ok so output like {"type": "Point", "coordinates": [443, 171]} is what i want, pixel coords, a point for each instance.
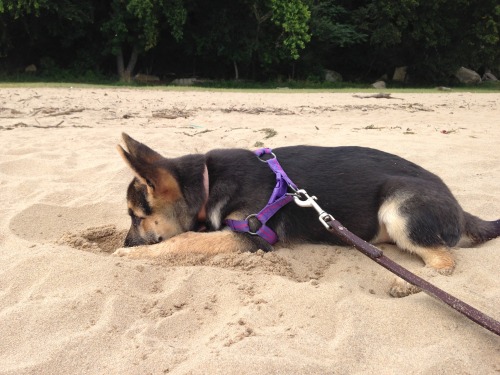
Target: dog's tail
{"type": "Point", "coordinates": [479, 230]}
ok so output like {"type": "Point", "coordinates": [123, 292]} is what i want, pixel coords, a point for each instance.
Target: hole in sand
{"type": "Point", "coordinates": [106, 239]}
{"type": "Point", "coordinates": [96, 239]}
{"type": "Point", "coordinates": [44, 222]}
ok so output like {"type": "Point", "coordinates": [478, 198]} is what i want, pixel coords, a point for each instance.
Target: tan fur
{"type": "Point", "coordinates": [210, 243]}
{"type": "Point", "coordinates": [401, 288]}
{"type": "Point", "coordinates": [166, 187]}
{"type": "Point", "coordinates": [382, 236]}
{"type": "Point", "coordinates": [393, 228]}
{"type": "Point", "coordinates": [439, 259]}
{"type": "Point", "coordinates": [157, 226]}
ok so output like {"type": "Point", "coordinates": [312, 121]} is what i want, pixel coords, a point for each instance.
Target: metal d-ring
{"type": "Point", "coordinates": [248, 218]}
{"type": "Point", "coordinates": [266, 160]}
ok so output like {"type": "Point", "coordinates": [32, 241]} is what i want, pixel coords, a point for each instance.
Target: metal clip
{"type": "Point", "coordinates": [261, 157]}
{"type": "Point", "coordinates": [302, 199]}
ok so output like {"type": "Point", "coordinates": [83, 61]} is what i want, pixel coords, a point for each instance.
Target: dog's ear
{"type": "Point", "coordinates": [139, 151]}
{"type": "Point", "coordinates": [148, 168]}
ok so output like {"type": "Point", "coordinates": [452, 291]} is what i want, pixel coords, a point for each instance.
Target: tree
{"type": "Point", "coordinates": [21, 7]}
{"type": "Point", "coordinates": [432, 38]}
{"type": "Point", "coordinates": [249, 32]}
{"type": "Point", "coordinates": [282, 31]}
{"type": "Point", "coordinates": [134, 26]}
{"type": "Point", "coordinates": [292, 16]}
{"type": "Point", "coordinates": [332, 26]}
{"type": "Point", "coordinates": [334, 33]}
{"type": "Point", "coordinates": [221, 33]}
{"type": "Point", "coordinates": [362, 39]}
{"type": "Point", "coordinates": [35, 25]}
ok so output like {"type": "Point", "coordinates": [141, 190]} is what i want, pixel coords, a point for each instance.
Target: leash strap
{"type": "Point", "coordinates": [335, 227]}
{"type": "Point", "coordinates": [278, 199]}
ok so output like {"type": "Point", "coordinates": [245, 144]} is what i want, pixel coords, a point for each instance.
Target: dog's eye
{"type": "Point", "coordinates": [150, 184]}
{"type": "Point", "coordinates": [136, 220]}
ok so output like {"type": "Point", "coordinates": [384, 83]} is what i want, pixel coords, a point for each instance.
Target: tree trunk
{"type": "Point", "coordinates": [125, 74]}
{"type": "Point", "coordinates": [236, 73]}
{"type": "Point", "coordinates": [132, 62]}
{"type": "Point", "coordinates": [260, 18]}
{"type": "Point", "coordinates": [120, 66]}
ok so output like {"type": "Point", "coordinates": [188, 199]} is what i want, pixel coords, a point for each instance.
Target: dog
{"type": "Point", "coordinates": [380, 197]}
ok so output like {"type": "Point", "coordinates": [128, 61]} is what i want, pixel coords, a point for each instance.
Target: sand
{"type": "Point", "coordinates": [67, 306]}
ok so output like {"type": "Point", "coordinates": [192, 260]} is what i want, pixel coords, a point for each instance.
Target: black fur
{"type": "Point", "coordinates": [136, 194]}
{"type": "Point", "coordinates": [351, 183]}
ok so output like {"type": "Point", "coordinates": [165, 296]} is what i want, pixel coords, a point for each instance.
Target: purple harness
{"type": "Point", "coordinates": [279, 198]}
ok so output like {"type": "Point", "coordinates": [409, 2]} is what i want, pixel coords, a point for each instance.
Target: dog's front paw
{"type": "Point", "coordinates": [122, 251]}
{"type": "Point", "coordinates": [145, 251]}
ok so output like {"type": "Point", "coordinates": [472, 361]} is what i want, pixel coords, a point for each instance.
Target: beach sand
{"type": "Point", "coordinates": [67, 306]}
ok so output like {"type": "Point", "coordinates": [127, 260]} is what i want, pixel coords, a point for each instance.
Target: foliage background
{"type": "Point", "coordinates": [249, 39]}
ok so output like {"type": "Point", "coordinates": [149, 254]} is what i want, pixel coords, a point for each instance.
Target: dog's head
{"type": "Point", "coordinates": [155, 202]}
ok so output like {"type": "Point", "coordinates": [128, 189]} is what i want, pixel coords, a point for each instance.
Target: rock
{"type": "Point", "coordinates": [488, 76]}
{"type": "Point", "coordinates": [379, 85]}
{"type": "Point", "coordinates": [30, 68]}
{"type": "Point", "coordinates": [146, 78]}
{"type": "Point", "coordinates": [332, 76]}
{"type": "Point", "coordinates": [467, 76]}
{"type": "Point", "coordinates": [400, 74]}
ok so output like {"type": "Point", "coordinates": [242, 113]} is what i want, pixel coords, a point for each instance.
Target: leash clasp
{"type": "Point", "coordinates": [302, 199]}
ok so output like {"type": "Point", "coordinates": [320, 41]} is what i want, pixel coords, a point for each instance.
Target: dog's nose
{"type": "Point", "coordinates": [133, 240]}
{"type": "Point", "coordinates": [127, 242]}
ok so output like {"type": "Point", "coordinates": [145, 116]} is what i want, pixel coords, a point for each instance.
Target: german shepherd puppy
{"type": "Point", "coordinates": [378, 196]}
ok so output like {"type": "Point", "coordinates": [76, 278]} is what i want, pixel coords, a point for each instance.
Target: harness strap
{"type": "Point", "coordinates": [278, 199]}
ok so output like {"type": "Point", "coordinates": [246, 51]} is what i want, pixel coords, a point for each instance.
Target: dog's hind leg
{"type": "Point", "coordinates": [427, 223]}
{"type": "Point", "coordinates": [408, 222]}
{"type": "Point", "coordinates": [435, 259]}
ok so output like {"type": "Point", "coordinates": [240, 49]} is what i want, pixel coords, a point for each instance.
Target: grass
{"type": "Point", "coordinates": [248, 86]}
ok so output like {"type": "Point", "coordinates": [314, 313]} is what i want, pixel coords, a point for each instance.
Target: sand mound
{"type": "Point", "coordinates": [269, 263]}
{"type": "Point", "coordinates": [107, 238]}
{"type": "Point", "coordinates": [96, 239]}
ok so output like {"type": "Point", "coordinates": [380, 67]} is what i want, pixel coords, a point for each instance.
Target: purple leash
{"type": "Point", "coordinates": [279, 198]}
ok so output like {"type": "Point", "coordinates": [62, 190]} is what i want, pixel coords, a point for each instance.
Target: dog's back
{"type": "Point", "coordinates": [352, 183]}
